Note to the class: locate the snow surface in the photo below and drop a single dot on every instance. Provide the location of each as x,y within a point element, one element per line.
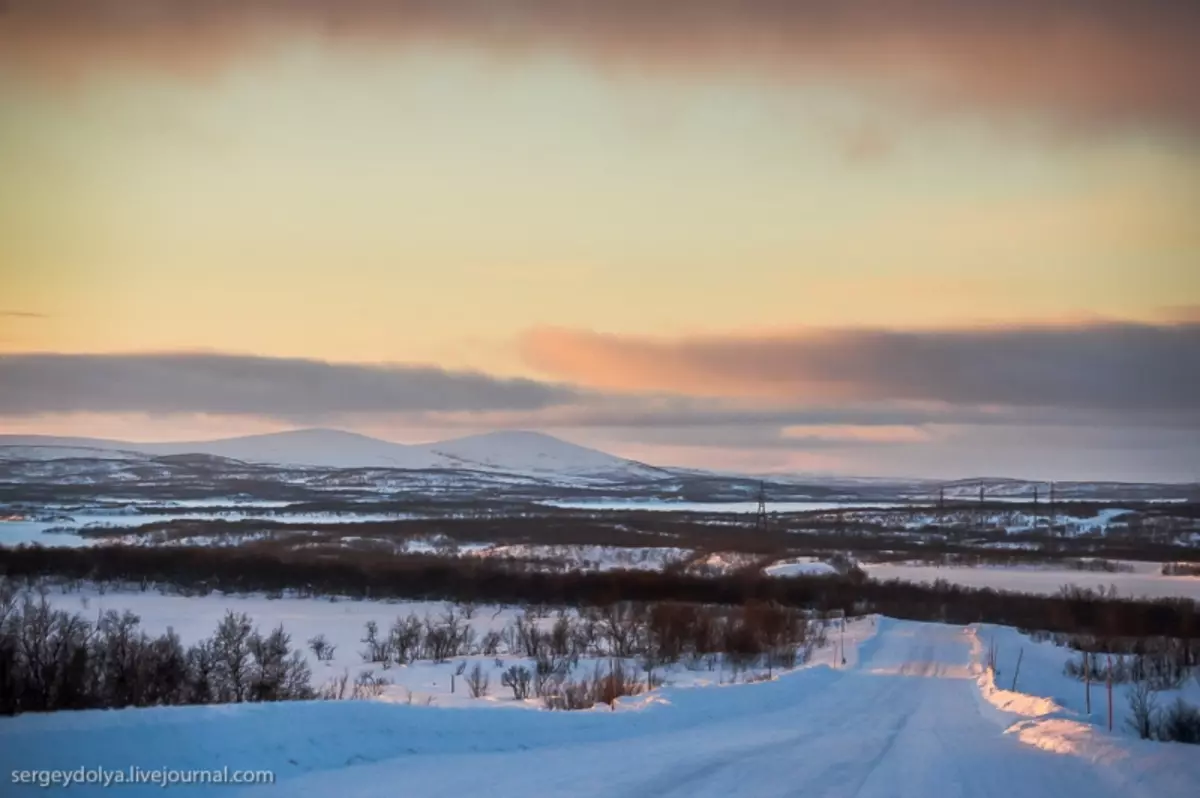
<point>1061,697</point>
<point>800,566</point>
<point>910,713</point>
<point>510,451</point>
<point>710,507</point>
<point>1145,580</point>
<point>343,622</point>
<point>578,557</point>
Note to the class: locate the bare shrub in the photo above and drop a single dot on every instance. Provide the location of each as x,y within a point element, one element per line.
<point>547,674</point>
<point>231,654</point>
<point>489,644</point>
<point>376,650</point>
<point>335,688</point>
<point>321,648</point>
<point>519,679</point>
<point>1180,723</point>
<point>368,685</point>
<point>478,681</point>
<point>570,695</point>
<point>405,638</point>
<point>617,682</point>
<point>1142,708</point>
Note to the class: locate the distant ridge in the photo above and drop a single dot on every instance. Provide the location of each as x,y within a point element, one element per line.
<point>515,451</point>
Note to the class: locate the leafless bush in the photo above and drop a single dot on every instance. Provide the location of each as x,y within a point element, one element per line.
<point>519,679</point>
<point>376,650</point>
<point>1179,723</point>
<point>1142,708</point>
<point>321,648</point>
<point>547,674</point>
<point>617,682</point>
<point>335,688</point>
<point>489,644</point>
<point>570,695</point>
<point>405,638</point>
<point>368,685</point>
<point>478,681</point>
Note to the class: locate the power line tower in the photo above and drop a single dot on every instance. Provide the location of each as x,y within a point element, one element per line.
<point>1053,510</point>
<point>760,515</point>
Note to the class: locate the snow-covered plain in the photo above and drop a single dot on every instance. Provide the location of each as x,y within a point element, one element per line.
<point>710,507</point>
<point>800,566</point>
<point>66,529</point>
<point>905,715</point>
<point>589,558</point>
<point>343,622</point>
<point>1146,579</point>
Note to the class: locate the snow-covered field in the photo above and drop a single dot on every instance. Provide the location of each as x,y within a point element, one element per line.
<point>711,507</point>
<point>910,713</point>
<point>590,558</point>
<point>800,566</point>
<point>343,624</point>
<point>65,528</point>
<point>1145,580</point>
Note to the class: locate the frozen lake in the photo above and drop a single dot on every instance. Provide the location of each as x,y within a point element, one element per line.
<point>1146,579</point>
<point>14,533</point>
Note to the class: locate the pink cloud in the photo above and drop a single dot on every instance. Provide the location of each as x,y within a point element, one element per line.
<point>1084,62</point>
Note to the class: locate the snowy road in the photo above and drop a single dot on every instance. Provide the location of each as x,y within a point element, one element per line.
<point>905,717</point>
<point>907,721</point>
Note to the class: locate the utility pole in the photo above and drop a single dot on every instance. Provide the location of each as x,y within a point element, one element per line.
<point>1053,520</point>
<point>1035,507</point>
<point>979,522</point>
<point>760,517</point>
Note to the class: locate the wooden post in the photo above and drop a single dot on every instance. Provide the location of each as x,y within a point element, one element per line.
<point>1017,672</point>
<point>1087,682</point>
<point>1109,680</point>
<point>843,639</point>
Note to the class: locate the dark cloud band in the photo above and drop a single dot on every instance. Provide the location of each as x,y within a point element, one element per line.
<point>245,385</point>
<point>1101,367</point>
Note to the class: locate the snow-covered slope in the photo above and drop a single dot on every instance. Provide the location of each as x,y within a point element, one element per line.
<point>516,452</point>
<point>533,452</point>
<point>316,447</point>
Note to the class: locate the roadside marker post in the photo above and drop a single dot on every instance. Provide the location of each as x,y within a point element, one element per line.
<point>1109,680</point>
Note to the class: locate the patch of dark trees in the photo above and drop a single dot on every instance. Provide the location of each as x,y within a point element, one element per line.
<point>51,659</point>
<point>358,574</point>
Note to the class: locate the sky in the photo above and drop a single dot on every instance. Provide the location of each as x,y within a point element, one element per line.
<point>880,238</point>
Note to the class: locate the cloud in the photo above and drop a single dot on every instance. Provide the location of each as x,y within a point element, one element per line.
<point>1085,62</point>
<point>222,384</point>
<point>21,314</point>
<point>1098,367</point>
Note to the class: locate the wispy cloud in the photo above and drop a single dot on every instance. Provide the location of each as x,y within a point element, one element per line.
<point>1086,62</point>
<point>269,387</point>
<point>22,314</point>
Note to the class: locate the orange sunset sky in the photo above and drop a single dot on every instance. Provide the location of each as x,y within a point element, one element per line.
<point>923,238</point>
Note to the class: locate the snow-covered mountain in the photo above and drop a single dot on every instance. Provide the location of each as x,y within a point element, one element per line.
<point>508,451</point>
<point>532,452</point>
